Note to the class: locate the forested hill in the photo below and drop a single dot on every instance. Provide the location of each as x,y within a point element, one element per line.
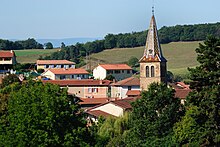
<point>196,32</point>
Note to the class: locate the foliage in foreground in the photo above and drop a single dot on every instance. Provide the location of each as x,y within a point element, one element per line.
<point>42,115</point>
<point>201,124</point>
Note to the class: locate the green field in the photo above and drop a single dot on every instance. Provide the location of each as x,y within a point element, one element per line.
<point>31,55</point>
<point>179,55</point>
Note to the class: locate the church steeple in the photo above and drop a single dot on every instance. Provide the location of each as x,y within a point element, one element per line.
<point>152,50</point>
<point>152,64</point>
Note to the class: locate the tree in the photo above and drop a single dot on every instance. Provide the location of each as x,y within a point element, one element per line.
<point>110,41</point>
<point>62,45</point>
<point>133,61</point>
<point>43,115</point>
<point>154,116</point>
<point>7,80</point>
<point>48,45</point>
<point>203,103</point>
<point>110,78</point>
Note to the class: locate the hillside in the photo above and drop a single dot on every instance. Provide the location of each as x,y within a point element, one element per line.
<point>180,55</point>
<point>31,55</point>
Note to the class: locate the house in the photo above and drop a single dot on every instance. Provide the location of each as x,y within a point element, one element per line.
<point>65,74</point>
<point>126,87</point>
<point>46,64</point>
<point>85,88</point>
<point>7,59</point>
<point>181,90</point>
<point>115,108</point>
<point>119,71</point>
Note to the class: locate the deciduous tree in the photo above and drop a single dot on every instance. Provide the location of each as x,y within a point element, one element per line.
<point>43,115</point>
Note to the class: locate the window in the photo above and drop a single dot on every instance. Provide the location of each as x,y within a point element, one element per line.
<point>128,71</point>
<point>7,59</point>
<point>89,90</point>
<point>46,66</point>
<point>62,77</point>
<point>117,71</point>
<point>152,71</point>
<point>61,66</point>
<point>129,87</point>
<point>122,71</point>
<point>147,71</point>
<point>95,90</point>
<point>110,72</point>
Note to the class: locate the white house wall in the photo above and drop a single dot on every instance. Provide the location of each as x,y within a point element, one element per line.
<point>111,109</point>
<point>99,73</point>
<point>49,75</point>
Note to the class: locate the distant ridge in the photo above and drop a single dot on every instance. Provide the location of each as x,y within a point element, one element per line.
<point>66,41</point>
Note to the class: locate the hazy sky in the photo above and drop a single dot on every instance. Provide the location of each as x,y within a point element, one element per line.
<point>21,19</point>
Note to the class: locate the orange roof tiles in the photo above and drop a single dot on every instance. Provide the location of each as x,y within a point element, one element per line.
<point>84,101</point>
<point>132,81</point>
<point>68,71</point>
<point>83,82</point>
<point>182,93</point>
<point>45,62</point>
<point>123,103</point>
<point>6,54</point>
<point>115,66</point>
<point>133,93</point>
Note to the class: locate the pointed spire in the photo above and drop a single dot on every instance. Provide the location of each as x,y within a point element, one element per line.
<point>152,50</point>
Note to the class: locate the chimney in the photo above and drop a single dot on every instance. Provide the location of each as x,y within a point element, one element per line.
<point>100,82</point>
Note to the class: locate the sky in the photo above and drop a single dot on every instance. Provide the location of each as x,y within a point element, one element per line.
<point>57,19</point>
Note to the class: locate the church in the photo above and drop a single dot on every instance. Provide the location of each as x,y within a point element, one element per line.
<point>153,66</point>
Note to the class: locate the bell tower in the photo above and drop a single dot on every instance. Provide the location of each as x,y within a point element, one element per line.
<point>152,64</point>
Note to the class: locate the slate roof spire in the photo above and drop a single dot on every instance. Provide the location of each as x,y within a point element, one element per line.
<point>152,50</point>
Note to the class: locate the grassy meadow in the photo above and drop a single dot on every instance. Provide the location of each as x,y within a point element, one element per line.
<point>31,55</point>
<point>180,55</point>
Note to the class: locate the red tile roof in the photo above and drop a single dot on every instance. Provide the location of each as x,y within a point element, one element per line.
<point>123,103</point>
<point>132,81</point>
<point>99,113</point>
<point>183,85</point>
<point>115,66</point>
<point>133,93</point>
<point>45,62</point>
<point>6,54</point>
<point>84,101</point>
<point>83,82</point>
<point>182,93</point>
<point>68,71</point>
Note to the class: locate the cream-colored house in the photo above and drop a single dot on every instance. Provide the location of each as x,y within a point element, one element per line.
<point>119,71</point>
<point>65,74</point>
<point>47,64</point>
<point>7,58</point>
<point>125,88</point>
<point>86,88</point>
<point>115,108</point>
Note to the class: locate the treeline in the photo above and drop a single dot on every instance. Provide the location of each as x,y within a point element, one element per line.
<point>166,34</point>
<point>30,43</point>
<point>197,32</point>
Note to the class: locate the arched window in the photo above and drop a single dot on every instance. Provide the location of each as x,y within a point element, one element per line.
<point>147,71</point>
<point>152,71</point>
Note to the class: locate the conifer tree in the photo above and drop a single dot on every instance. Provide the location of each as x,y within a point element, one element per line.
<point>201,124</point>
